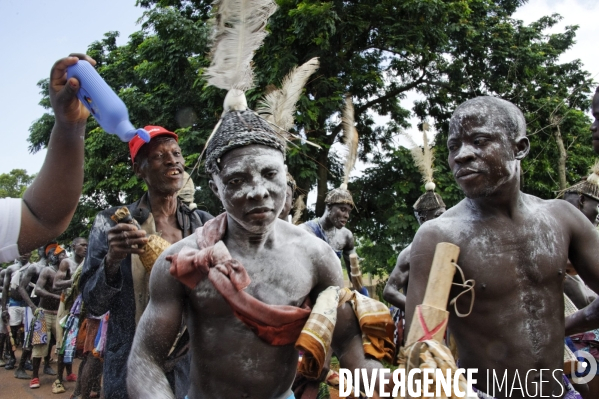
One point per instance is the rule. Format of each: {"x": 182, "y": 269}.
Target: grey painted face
{"x": 338, "y": 214}
{"x": 429, "y": 215}
{"x": 252, "y": 186}
{"x": 485, "y": 146}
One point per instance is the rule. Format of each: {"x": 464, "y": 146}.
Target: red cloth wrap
{"x": 275, "y": 324}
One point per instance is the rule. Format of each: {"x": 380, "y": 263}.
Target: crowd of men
{"x": 216, "y": 315}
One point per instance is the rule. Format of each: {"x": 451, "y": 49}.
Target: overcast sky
{"x": 34, "y": 34}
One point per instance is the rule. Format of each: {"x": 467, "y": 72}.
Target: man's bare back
{"x": 515, "y": 246}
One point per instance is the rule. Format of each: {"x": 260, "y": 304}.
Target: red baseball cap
{"x": 136, "y": 142}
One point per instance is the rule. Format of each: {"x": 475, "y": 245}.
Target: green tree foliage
{"x": 378, "y": 50}
{"x": 14, "y": 183}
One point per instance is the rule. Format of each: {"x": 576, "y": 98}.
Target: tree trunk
{"x": 323, "y": 177}
{"x": 561, "y": 162}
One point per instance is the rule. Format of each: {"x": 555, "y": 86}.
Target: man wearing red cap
{"x": 113, "y": 277}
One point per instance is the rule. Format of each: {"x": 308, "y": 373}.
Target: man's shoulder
{"x": 301, "y": 236}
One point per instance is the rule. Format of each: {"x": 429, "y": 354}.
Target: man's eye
{"x": 271, "y": 175}
{"x": 177, "y": 154}
{"x": 480, "y": 141}
{"x": 235, "y": 182}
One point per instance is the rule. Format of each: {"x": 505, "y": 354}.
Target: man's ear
{"x": 214, "y": 188}
{"x": 137, "y": 170}
{"x": 522, "y": 147}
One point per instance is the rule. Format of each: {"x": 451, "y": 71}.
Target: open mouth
{"x": 174, "y": 172}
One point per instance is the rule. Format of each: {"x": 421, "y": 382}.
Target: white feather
{"x": 594, "y": 176}
{"x": 350, "y": 137}
{"x": 238, "y": 33}
{"x": 279, "y": 106}
{"x": 423, "y": 157}
{"x": 299, "y": 207}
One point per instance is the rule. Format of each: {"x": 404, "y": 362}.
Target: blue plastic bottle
{"x": 103, "y": 103}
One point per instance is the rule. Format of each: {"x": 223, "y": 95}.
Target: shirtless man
{"x": 286, "y": 266}
{"x": 49, "y": 301}
{"x": 13, "y": 304}
{"x": 595, "y": 125}
{"x": 398, "y": 278}
{"x": 515, "y": 246}
{"x": 26, "y": 286}
{"x": 63, "y": 280}
{"x": 331, "y": 225}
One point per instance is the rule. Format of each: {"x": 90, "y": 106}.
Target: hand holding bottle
{"x": 63, "y": 91}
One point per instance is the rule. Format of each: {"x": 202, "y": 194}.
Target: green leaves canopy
{"x": 446, "y": 50}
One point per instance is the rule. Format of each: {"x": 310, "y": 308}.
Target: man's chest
{"x": 276, "y": 281}
{"x": 506, "y": 255}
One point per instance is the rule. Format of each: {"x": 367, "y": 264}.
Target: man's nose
{"x": 464, "y": 154}
{"x": 258, "y": 192}
{"x": 171, "y": 159}
{"x": 594, "y": 126}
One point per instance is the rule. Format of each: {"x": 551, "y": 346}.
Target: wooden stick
{"x": 434, "y": 305}
{"x": 356, "y": 274}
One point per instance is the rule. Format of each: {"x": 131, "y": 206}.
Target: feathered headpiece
{"x": 299, "y": 206}
{"x": 588, "y": 186}
{"x": 350, "y": 138}
{"x": 187, "y": 192}
{"x": 239, "y": 29}
{"x": 278, "y": 106}
{"x": 423, "y": 159}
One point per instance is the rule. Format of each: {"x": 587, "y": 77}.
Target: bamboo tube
{"x": 356, "y": 274}
{"x": 433, "y": 308}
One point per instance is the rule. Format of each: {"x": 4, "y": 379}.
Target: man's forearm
{"x": 61, "y": 284}
{"x": 26, "y": 298}
{"x": 42, "y": 293}
{"x": 585, "y": 319}
{"x": 394, "y": 297}
{"x": 62, "y": 172}
{"x": 145, "y": 378}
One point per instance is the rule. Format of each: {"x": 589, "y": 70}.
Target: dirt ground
{"x": 13, "y": 388}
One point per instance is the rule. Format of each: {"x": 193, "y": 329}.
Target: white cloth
{"x": 10, "y": 226}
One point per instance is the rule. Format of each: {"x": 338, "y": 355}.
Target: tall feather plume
{"x": 299, "y": 206}
{"x": 238, "y": 32}
{"x": 594, "y": 176}
{"x": 423, "y": 158}
{"x": 350, "y": 138}
{"x": 278, "y": 106}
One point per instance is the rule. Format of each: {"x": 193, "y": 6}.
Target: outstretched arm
{"x": 397, "y": 279}
{"x": 43, "y": 220}
{"x": 155, "y": 334}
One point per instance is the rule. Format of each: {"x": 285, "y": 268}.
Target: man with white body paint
{"x": 515, "y": 246}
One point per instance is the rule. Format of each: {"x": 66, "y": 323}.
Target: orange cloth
{"x": 315, "y": 339}
{"x": 275, "y": 324}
